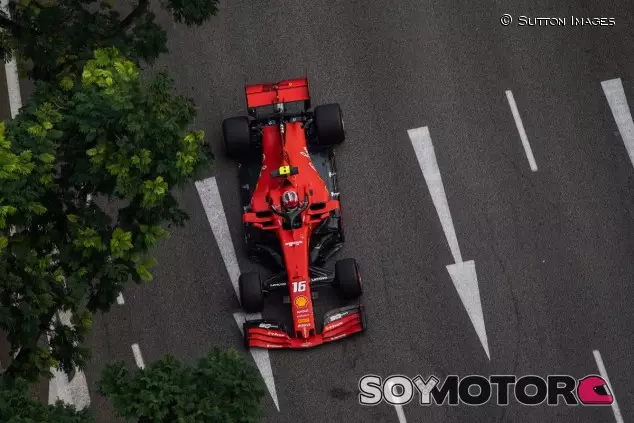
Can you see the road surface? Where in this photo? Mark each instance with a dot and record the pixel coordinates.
(538, 183)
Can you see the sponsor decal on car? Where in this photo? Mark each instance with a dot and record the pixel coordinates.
(303, 320)
(301, 301)
(332, 326)
(334, 338)
(319, 278)
(337, 316)
(293, 243)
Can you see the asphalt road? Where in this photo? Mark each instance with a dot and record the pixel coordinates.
(553, 248)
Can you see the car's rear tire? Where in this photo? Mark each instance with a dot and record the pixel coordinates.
(348, 279)
(329, 124)
(237, 136)
(251, 294)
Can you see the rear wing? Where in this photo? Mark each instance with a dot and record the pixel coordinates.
(268, 94)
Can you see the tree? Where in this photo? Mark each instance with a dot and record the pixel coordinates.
(54, 36)
(109, 134)
(95, 129)
(16, 406)
(223, 387)
(92, 128)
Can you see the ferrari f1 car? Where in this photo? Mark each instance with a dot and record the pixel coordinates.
(291, 213)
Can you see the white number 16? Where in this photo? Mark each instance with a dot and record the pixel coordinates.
(299, 286)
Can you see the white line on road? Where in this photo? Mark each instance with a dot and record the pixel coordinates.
(138, 358)
(521, 130)
(604, 375)
(212, 203)
(463, 274)
(13, 80)
(615, 95)
(120, 300)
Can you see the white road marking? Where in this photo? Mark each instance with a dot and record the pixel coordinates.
(465, 279)
(212, 203)
(463, 274)
(13, 80)
(521, 130)
(260, 356)
(399, 408)
(424, 149)
(400, 414)
(613, 90)
(604, 375)
(138, 358)
(74, 392)
(120, 300)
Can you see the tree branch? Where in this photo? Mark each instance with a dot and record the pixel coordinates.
(138, 11)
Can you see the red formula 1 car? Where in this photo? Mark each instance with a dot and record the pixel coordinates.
(291, 213)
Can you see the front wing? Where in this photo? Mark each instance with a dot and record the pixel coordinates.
(338, 323)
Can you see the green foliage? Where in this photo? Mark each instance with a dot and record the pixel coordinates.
(111, 135)
(191, 12)
(17, 406)
(47, 48)
(223, 387)
(92, 127)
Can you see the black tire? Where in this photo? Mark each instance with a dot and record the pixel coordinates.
(329, 124)
(348, 279)
(237, 137)
(251, 295)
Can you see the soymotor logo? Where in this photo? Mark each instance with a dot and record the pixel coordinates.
(477, 390)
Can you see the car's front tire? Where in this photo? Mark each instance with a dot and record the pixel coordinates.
(251, 294)
(237, 137)
(328, 120)
(348, 279)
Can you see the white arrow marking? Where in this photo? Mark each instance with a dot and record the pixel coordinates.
(421, 141)
(615, 94)
(212, 203)
(73, 392)
(520, 128)
(465, 280)
(462, 274)
(261, 360)
(604, 374)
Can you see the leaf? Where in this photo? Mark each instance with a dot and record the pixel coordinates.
(46, 158)
(72, 218)
(37, 208)
(143, 273)
(121, 242)
(4, 242)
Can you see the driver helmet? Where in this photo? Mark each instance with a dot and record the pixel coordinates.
(290, 200)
